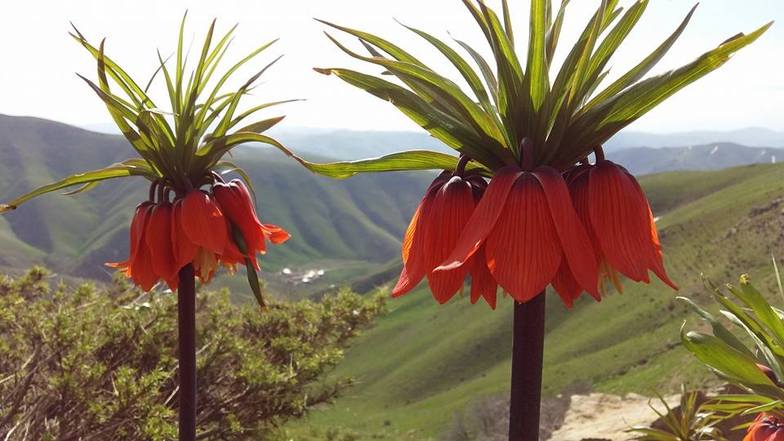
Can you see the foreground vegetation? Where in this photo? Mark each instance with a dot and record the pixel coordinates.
(88, 363)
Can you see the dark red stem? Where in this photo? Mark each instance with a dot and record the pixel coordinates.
(217, 177)
(527, 356)
(599, 152)
(527, 154)
(461, 166)
(186, 324)
(153, 189)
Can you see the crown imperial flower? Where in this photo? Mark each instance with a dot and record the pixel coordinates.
(618, 217)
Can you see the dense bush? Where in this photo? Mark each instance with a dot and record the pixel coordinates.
(83, 363)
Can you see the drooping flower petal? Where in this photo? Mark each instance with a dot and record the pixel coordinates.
(142, 270)
(203, 222)
(575, 242)
(523, 249)
(158, 238)
(204, 264)
(483, 285)
(183, 249)
(766, 427)
(451, 208)
(275, 234)
(622, 223)
(412, 249)
(138, 224)
(237, 206)
(566, 285)
(483, 220)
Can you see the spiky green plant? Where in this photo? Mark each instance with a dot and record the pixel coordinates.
(751, 357)
(566, 111)
(189, 140)
(687, 422)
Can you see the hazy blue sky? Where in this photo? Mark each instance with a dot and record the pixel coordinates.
(39, 59)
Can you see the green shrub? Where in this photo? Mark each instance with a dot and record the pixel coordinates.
(93, 363)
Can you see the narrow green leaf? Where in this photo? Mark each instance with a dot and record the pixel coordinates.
(442, 126)
(391, 49)
(253, 277)
(719, 330)
(402, 161)
(536, 70)
(610, 44)
(439, 88)
(487, 71)
(639, 71)
(216, 91)
(131, 167)
(409, 160)
(460, 64)
(606, 119)
(262, 126)
(762, 309)
(554, 32)
(257, 108)
(731, 364)
(508, 20)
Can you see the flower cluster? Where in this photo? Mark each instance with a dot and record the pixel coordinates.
(203, 228)
(531, 227)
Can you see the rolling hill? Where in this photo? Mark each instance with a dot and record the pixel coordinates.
(345, 227)
(423, 362)
(714, 156)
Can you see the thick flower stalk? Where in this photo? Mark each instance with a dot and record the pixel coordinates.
(547, 217)
(193, 222)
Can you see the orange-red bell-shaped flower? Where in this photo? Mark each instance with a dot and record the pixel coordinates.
(139, 265)
(203, 224)
(529, 230)
(237, 205)
(151, 256)
(431, 236)
(158, 240)
(613, 207)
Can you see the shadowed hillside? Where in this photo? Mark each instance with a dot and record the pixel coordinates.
(347, 227)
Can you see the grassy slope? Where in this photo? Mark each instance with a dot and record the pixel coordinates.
(347, 227)
(423, 362)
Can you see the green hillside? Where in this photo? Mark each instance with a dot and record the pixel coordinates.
(347, 228)
(423, 362)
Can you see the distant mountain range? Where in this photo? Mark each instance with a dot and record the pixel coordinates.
(357, 144)
(641, 153)
(715, 156)
(752, 136)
